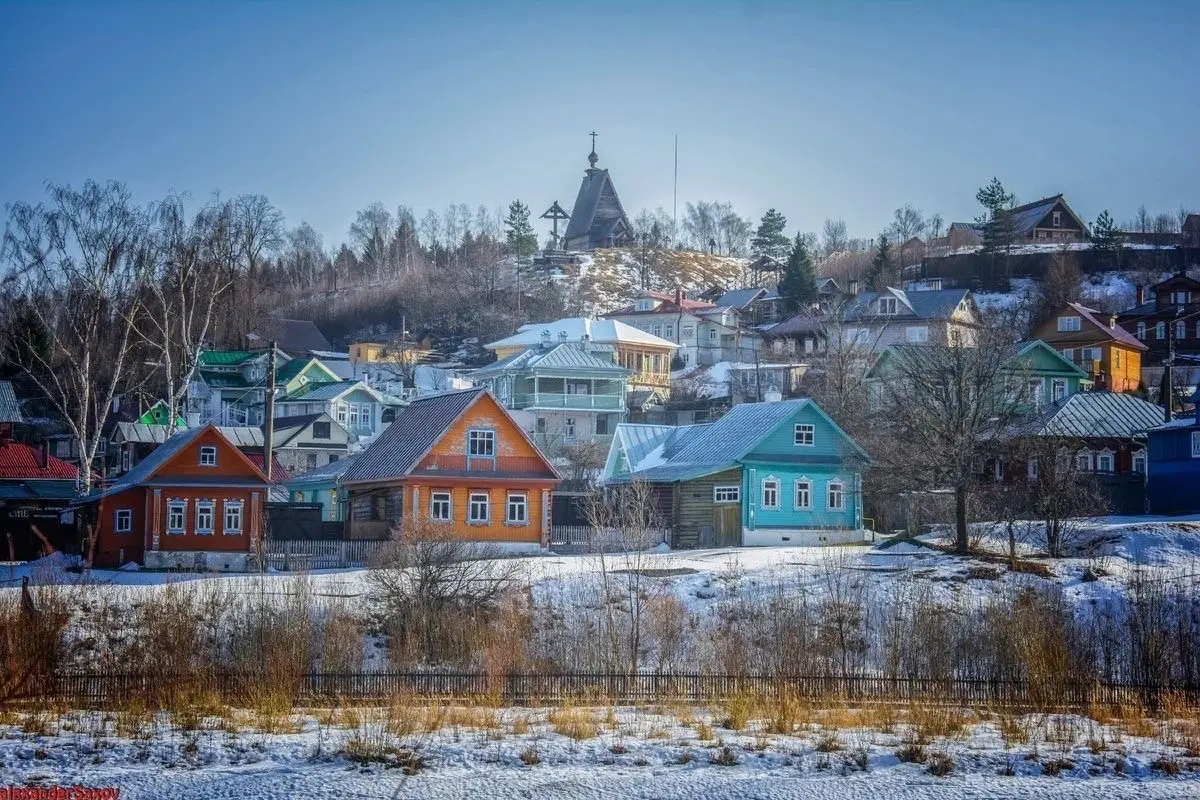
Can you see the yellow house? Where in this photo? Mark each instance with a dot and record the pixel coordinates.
(649, 356)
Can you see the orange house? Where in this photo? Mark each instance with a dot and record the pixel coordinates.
(456, 460)
(195, 502)
(1111, 355)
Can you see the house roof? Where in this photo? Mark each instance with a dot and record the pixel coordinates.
(828, 286)
(568, 356)
(291, 335)
(322, 391)
(223, 380)
(20, 461)
(10, 407)
(1011, 351)
(933, 305)
(1025, 218)
(416, 429)
(667, 305)
(799, 324)
(1096, 415)
(293, 368)
(600, 331)
(1191, 223)
(740, 298)
(1114, 332)
(227, 358)
(330, 472)
(297, 421)
(39, 490)
(279, 473)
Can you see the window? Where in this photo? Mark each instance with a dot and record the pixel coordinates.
(1180, 330)
(1036, 389)
(481, 444)
(1068, 353)
(354, 415)
(727, 494)
(777, 346)
(712, 334)
(602, 425)
(126, 459)
(1066, 324)
(1141, 329)
(62, 448)
(791, 347)
(320, 430)
(837, 496)
(1059, 388)
(809, 345)
(539, 425)
(687, 331)
(123, 522)
(804, 435)
(917, 334)
(1104, 461)
(669, 330)
(233, 517)
(1139, 461)
(1160, 330)
(176, 513)
(1083, 461)
(518, 510)
(644, 304)
(1090, 355)
(208, 456)
(656, 329)
(770, 493)
(1195, 444)
(439, 507)
(803, 493)
(339, 411)
(479, 510)
(888, 305)
(1056, 219)
(310, 461)
(999, 471)
(569, 429)
(1181, 298)
(204, 517)
(1031, 469)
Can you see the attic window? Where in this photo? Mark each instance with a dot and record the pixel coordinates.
(208, 456)
(644, 305)
(888, 305)
(804, 435)
(1057, 219)
(1068, 324)
(320, 430)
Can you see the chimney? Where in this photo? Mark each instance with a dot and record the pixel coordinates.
(679, 296)
(1141, 294)
(852, 287)
(1112, 320)
(546, 337)
(562, 337)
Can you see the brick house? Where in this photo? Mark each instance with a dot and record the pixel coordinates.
(457, 460)
(195, 502)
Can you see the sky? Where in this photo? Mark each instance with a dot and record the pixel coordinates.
(825, 109)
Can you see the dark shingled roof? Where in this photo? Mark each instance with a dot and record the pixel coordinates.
(291, 335)
(597, 213)
(416, 429)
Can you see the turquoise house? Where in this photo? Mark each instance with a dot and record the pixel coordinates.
(778, 473)
(323, 485)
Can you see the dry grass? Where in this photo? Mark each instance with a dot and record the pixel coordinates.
(573, 722)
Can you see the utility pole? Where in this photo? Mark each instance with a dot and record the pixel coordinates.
(269, 411)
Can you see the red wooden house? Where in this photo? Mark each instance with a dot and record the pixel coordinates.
(195, 502)
(34, 488)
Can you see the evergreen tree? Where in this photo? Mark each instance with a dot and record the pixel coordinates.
(798, 286)
(518, 233)
(881, 274)
(997, 222)
(769, 239)
(1106, 236)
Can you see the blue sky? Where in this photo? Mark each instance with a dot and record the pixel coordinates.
(818, 109)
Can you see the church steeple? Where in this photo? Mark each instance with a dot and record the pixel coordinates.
(592, 157)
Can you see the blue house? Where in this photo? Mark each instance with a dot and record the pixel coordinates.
(778, 473)
(1173, 465)
(323, 485)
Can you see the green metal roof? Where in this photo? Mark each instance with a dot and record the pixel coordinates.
(227, 358)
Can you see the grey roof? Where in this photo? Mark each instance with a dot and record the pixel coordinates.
(1025, 218)
(740, 298)
(597, 213)
(147, 466)
(143, 433)
(799, 324)
(291, 335)
(10, 408)
(243, 436)
(297, 421)
(330, 472)
(937, 304)
(569, 356)
(1097, 415)
(398, 449)
(319, 392)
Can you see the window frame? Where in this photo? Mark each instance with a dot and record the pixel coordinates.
(1138, 455)
(727, 494)
(203, 506)
(208, 450)
(481, 435)
(472, 501)
(772, 484)
(922, 330)
(1055, 385)
(127, 515)
(889, 306)
(838, 485)
(177, 505)
(233, 505)
(803, 484)
(1160, 330)
(1195, 444)
(1070, 324)
(1106, 455)
(802, 431)
(1141, 330)
(569, 429)
(438, 498)
(509, 505)
(1089, 457)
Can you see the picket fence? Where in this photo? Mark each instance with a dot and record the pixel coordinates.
(301, 555)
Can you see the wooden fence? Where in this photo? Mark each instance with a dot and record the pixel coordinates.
(92, 689)
(584, 538)
(308, 554)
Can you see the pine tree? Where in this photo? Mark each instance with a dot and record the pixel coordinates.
(798, 286)
(881, 273)
(769, 239)
(519, 236)
(997, 222)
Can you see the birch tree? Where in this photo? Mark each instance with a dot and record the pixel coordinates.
(79, 263)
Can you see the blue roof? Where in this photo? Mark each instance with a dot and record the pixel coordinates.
(937, 304)
(740, 298)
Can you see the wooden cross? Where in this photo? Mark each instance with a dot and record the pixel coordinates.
(593, 135)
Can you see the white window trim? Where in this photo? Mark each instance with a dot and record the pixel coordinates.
(1139, 455)
(1091, 461)
(508, 509)
(841, 488)
(127, 514)
(1055, 385)
(802, 481)
(487, 508)
(1069, 324)
(481, 435)
(774, 483)
(226, 506)
(182, 528)
(1112, 460)
(804, 428)
(1195, 444)
(434, 497)
(212, 517)
(727, 494)
(208, 450)
(1141, 330)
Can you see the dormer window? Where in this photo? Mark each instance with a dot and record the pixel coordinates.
(208, 456)
(1068, 324)
(1181, 298)
(888, 305)
(645, 304)
(1057, 219)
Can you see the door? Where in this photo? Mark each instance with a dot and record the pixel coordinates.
(727, 525)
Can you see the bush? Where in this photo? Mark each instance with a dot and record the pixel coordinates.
(911, 753)
(725, 757)
(530, 756)
(940, 764)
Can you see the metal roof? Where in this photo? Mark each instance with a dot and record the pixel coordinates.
(332, 390)
(293, 368)
(21, 461)
(1115, 331)
(330, 472)
(142, 433)
(243, 436)
(10, 408)
(600, 331)
(398, 449)
(147, 466)
(569, 356)
(227, 358)
(39, 490)
(291, 335)
(740, 298)
(222, 380)
(936, 304)
(1096, 415)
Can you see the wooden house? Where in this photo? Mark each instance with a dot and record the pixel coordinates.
(35, 487)
(195, 502)
(1173, 464)
(308, 441)
(458, 461)
(1169, 318)
(295, 337)
(763, 474)
(1110, 355)
(873, 321)
(323, 486)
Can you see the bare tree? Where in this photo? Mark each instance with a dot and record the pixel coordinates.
(1062, 493)
(80, 263)
(834, 237)
(907, 222)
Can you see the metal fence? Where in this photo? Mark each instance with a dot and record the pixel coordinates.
(582, 538)
(89, 689)
(308, 554)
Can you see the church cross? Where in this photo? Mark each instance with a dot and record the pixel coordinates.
(593, 135)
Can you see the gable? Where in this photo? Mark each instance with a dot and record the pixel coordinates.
(829, 441)
(485, 414)
(1041, 358)
(1069, 219)
(231, 462)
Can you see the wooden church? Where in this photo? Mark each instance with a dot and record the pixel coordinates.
(597, 219)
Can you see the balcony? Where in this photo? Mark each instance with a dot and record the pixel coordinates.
(579, 402)
(459, 465)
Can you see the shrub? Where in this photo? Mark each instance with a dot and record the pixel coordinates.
(828, 743)
(530, 756)
(725, 757)
(940, 764)
(911, 753)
